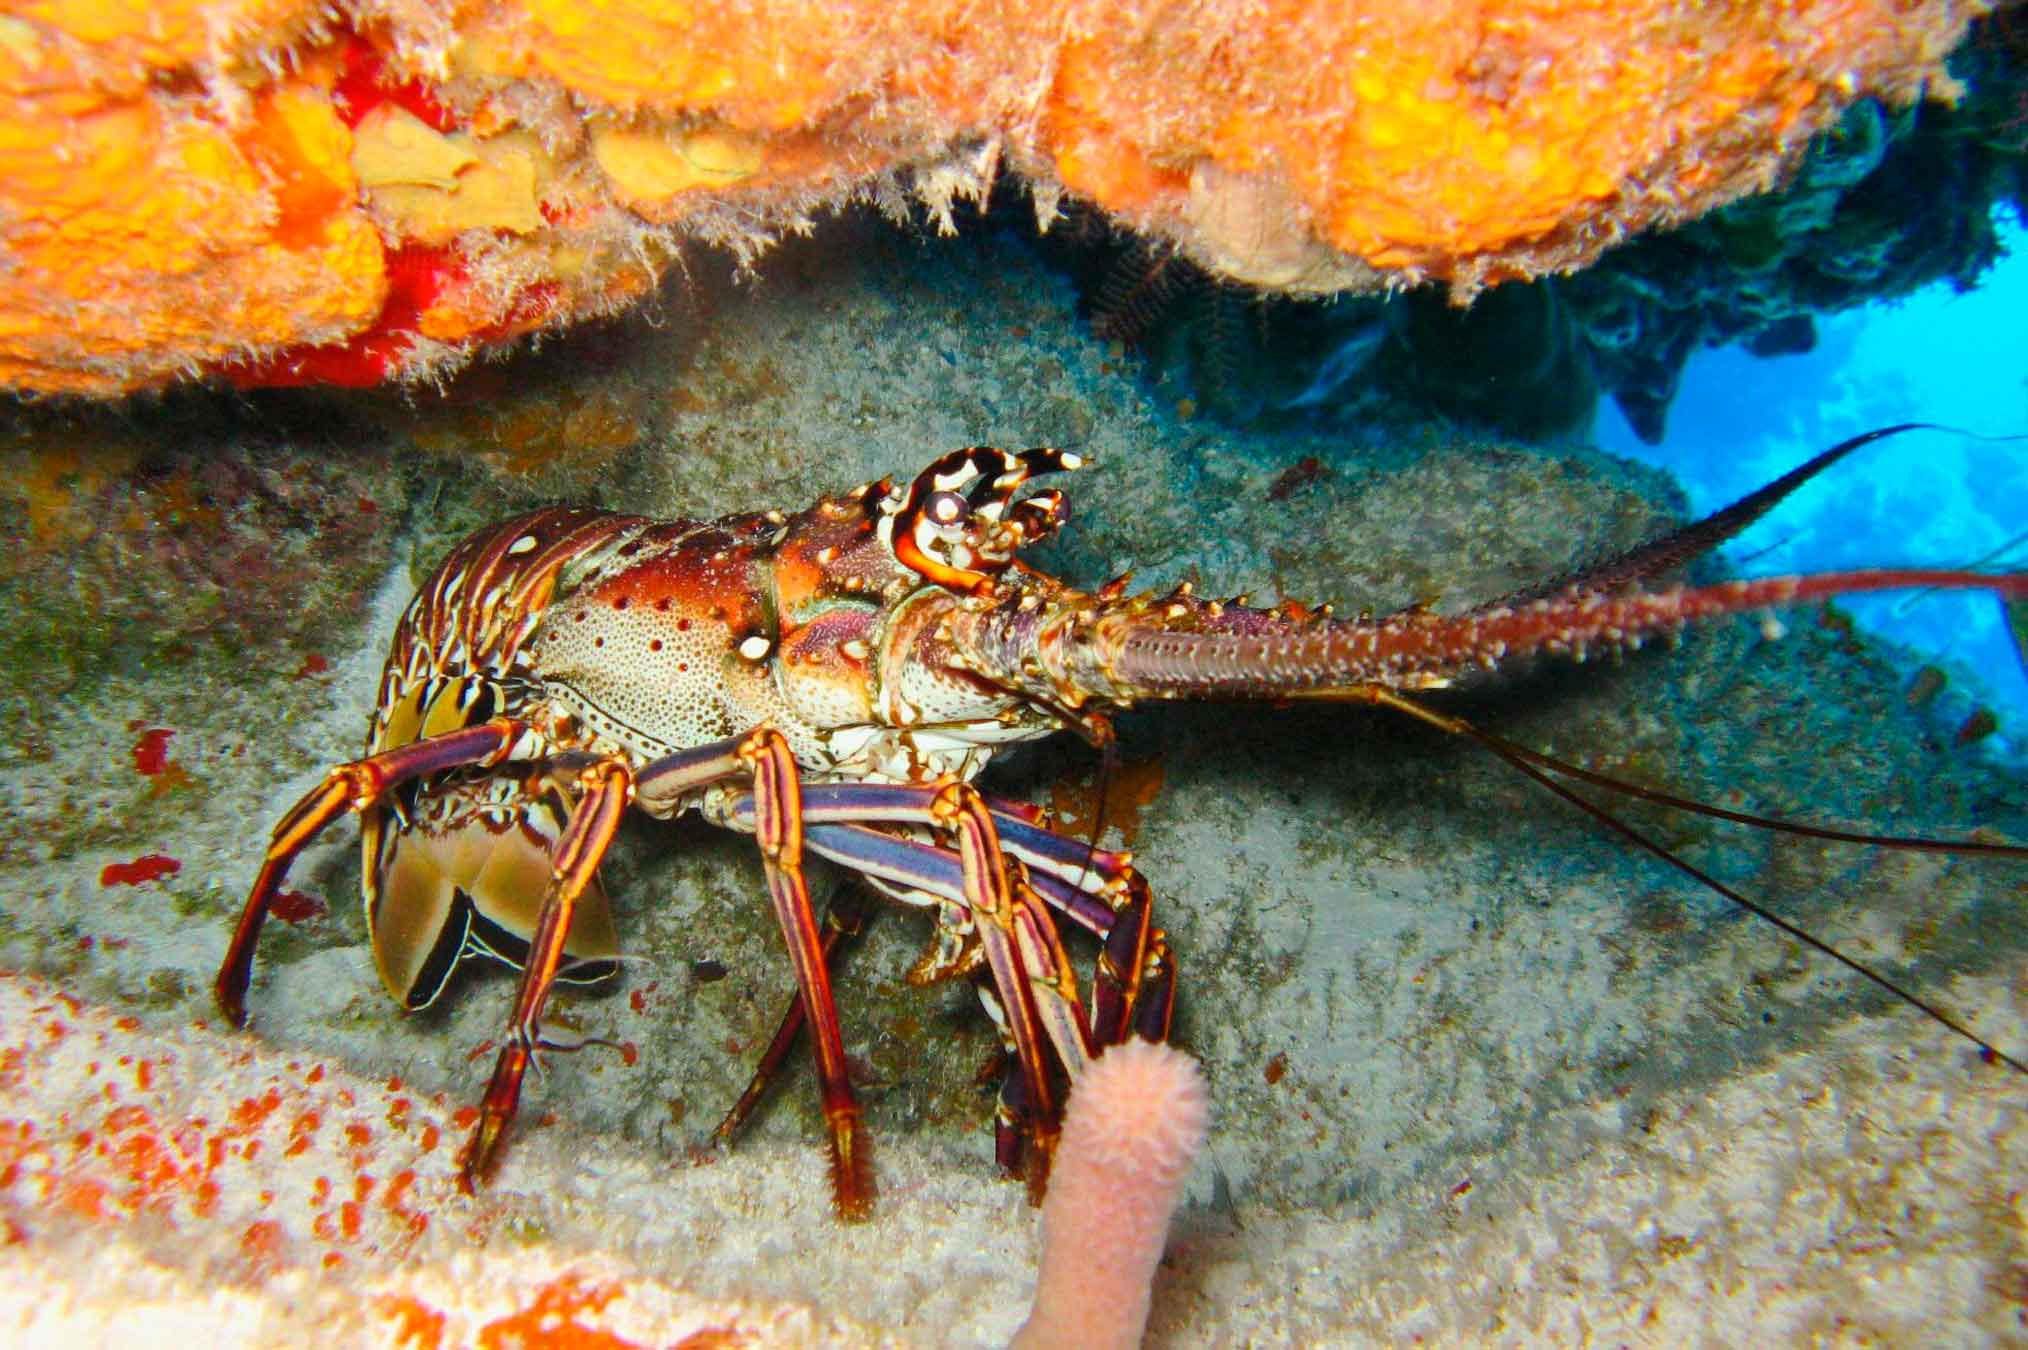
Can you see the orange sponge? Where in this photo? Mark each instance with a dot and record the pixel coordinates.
(238, 186)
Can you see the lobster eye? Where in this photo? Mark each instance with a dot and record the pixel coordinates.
(959, 525)
(946, 510)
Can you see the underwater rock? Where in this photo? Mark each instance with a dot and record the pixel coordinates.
(290, 193)
(199, 543)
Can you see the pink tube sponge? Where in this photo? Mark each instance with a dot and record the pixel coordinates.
(1135, 1121)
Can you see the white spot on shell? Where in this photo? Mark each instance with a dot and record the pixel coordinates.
(755, 648)
(525, 544)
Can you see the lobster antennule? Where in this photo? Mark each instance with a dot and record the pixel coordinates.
(1073, 647)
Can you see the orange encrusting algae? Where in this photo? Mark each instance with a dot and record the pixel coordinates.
(214, 1163)
(1477, 140)
(145, 242)
(191, 186)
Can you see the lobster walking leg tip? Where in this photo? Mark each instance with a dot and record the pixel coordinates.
(471, 1172)
(852, 1187)
(1036, 1162)
(231, 1005)
(856, 1209)
(481, 1152)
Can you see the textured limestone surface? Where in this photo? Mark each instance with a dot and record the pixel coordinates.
(1478, 1070)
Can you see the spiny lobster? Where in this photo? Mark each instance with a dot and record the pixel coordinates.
(831, 682)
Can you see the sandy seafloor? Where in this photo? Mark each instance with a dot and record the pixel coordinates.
(1479, 1072)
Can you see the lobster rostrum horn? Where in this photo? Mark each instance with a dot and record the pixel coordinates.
(958, 524)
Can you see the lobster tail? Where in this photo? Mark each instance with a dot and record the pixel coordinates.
(1070, 647)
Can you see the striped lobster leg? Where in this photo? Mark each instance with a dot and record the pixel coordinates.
(605, 789)
(1032, 987)
(349, 788)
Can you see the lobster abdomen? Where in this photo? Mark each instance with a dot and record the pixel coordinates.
(457, 863)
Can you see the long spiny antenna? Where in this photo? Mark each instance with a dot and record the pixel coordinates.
(1908, 843)
(1533, 764)
(1686, 543)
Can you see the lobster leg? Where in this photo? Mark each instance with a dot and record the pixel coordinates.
(1003, 922)
(347, 788)
(939, 872)
(1021, 835)
(1133, 990)
(778, 828)
(1089, 886)
(843, 918)
(607, 787)
(1023, 947)
(1048, 967)
(1034, 989)
(1134, 975)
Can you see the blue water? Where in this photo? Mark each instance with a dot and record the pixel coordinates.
(1927, 498)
